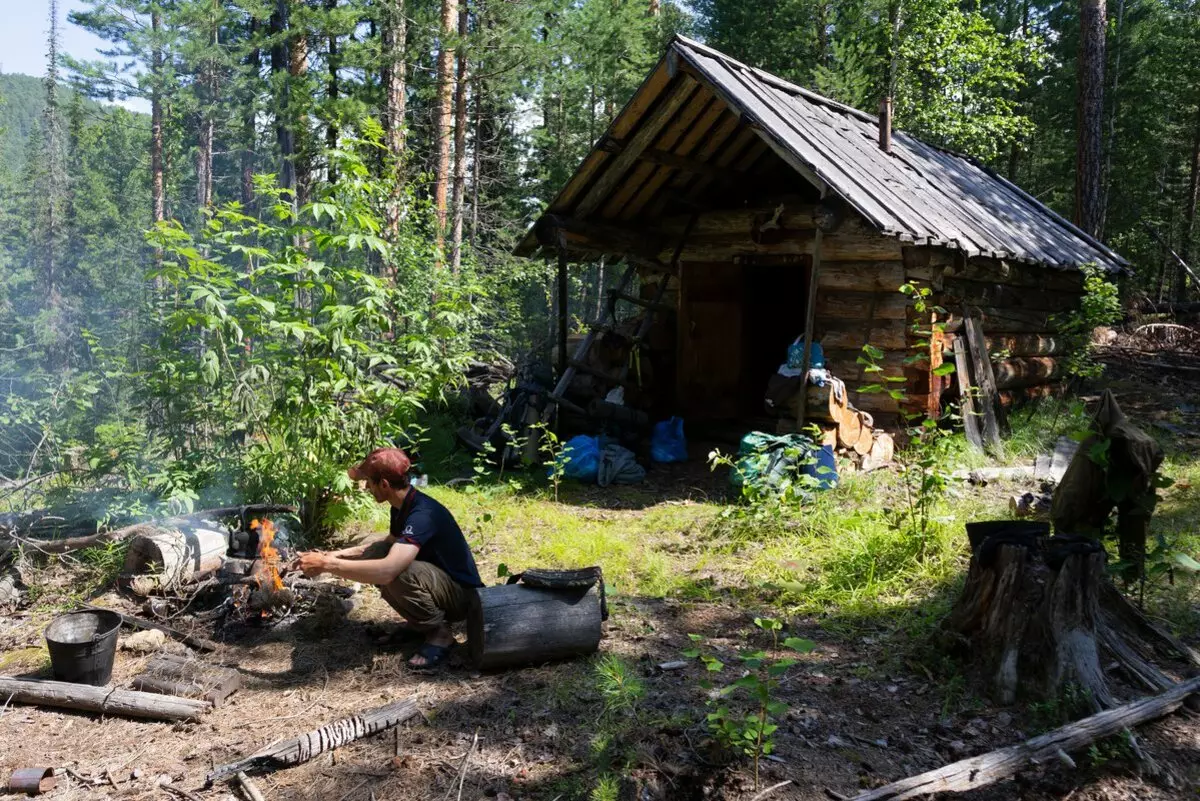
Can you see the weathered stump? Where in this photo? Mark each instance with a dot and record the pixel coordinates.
(1038, 615)
(520, 625)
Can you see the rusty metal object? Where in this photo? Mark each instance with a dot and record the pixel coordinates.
(33, 781)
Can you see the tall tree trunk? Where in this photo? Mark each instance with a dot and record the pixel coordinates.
(445, 89)
(249, 131)
(279, 71)
(460, 144)
(1089, 105)
(1189, 211)
(157, 208)
(599, 289)
(1110, 146)
(333, 61)
(476, 161)
(393, 33)
(297, 119)
(204, 162)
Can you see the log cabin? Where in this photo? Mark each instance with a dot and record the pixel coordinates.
(772, 212)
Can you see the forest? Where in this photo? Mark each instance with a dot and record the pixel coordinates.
(306, 247)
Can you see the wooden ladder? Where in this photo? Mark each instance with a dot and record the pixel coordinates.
(608, 325)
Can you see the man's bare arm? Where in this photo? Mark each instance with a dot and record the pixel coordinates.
(368, 571)
(356, 551)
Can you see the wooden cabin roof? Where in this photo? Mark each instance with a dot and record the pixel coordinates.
(702, 117)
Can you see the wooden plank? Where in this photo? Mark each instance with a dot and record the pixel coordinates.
(645, 168)
(810, 318)
(613, 172)
(980, 771)
(844, 304)
(666, 158)
(985, 380)
(852, 335)
(956, 291)
(1002, 320)
(642, 99)
(708, 133)
(126, 703)
(1013, 273)
(970, 414)
(864, 276)
(190, 640)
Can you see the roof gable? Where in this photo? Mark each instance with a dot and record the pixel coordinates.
(917, 193)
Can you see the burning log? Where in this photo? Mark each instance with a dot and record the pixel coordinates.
(128, 703)
(298, 750)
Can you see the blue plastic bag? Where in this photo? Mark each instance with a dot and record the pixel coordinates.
(816, 356)
(667, 443)
(582, 457)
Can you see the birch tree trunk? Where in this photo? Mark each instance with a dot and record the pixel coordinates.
(445, 90)
(297, 70)
(393, 74)
(460, 144)
(1089, 105)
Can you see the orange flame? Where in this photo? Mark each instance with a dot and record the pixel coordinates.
(268, 556)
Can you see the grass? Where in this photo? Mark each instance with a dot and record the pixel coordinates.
(839, 558)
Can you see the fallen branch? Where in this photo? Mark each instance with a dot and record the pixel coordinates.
(248, 787)
(127, 703)
(980, 771)
(298, 750)
(190, 640)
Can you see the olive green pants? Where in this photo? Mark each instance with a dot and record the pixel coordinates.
(423, 594)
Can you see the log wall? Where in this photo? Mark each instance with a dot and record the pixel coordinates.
(859, 300)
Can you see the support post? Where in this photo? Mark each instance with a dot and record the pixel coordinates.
(562, 310)
(810, 316)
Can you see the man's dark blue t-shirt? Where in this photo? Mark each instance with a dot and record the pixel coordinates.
(424, 522)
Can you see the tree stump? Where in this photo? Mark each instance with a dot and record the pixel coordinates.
(1038, 615)
(519, 625)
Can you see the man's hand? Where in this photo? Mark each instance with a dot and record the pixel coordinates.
(313, 563)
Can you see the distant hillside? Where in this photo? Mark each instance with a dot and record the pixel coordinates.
(22, 98)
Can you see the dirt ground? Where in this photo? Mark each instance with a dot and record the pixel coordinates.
(863, 709)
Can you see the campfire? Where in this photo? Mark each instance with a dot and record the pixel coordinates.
(237, 577)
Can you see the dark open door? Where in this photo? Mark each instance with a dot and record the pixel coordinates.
(710, 341)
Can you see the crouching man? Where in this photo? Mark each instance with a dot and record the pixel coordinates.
(423, 568)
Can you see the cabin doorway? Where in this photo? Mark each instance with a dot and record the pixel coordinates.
(735, 324)
(774, 300)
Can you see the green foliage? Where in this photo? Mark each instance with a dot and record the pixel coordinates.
(745, 710)
(1100, 306)
(279, 329)
(620, 687)
(555, 452)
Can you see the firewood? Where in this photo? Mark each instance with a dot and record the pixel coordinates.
(128, 703)
(298, 750)
(190, 640)
(980, 771)
(175, 675)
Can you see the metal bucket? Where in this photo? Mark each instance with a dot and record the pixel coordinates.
(83, 646)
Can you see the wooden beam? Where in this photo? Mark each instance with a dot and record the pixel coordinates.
(613, 172)
(810, 317)
(602, 237)
(666, 159)
(562, 311)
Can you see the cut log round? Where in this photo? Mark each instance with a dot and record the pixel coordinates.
(176, 557)
(849, 427)
(127, 703)
(519, 625)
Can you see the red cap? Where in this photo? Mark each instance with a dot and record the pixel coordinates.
(390, 464)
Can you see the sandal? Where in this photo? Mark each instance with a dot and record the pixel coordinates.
(435, 656)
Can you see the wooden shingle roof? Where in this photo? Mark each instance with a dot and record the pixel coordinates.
(699, 105)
